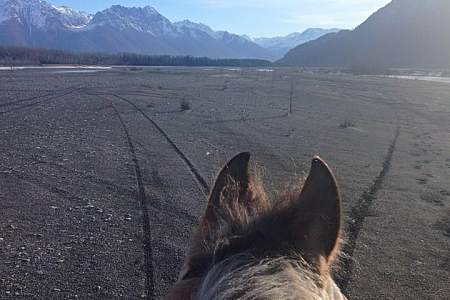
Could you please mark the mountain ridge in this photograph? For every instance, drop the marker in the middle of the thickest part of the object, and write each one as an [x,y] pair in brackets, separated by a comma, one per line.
[40,13]
[280,45]
[142,30]
[402,34]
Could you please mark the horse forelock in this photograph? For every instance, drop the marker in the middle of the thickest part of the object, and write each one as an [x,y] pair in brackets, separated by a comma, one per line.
[238,214]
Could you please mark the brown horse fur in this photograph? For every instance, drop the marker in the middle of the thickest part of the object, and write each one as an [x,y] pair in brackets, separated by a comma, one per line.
[248,247]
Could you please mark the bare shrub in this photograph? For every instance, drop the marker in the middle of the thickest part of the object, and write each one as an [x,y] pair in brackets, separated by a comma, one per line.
[347,124]
[185,105]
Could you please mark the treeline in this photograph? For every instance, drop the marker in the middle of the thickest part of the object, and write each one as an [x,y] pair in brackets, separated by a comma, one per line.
[14,56]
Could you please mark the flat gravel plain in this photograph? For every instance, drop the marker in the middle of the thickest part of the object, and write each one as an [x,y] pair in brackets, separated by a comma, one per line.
[103,176]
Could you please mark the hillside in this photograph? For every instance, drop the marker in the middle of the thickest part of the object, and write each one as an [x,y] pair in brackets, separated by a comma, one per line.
[405,33]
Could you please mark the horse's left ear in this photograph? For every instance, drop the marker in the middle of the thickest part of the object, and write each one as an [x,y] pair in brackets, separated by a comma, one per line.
[229,192]
[318,210]
[231,185]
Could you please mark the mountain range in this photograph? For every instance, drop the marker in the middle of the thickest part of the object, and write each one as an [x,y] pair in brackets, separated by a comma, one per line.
[143,30]
[279,46]
[404,34]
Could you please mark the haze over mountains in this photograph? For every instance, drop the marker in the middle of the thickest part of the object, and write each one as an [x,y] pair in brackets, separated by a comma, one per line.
[279,46]
[405,33]
[36,23]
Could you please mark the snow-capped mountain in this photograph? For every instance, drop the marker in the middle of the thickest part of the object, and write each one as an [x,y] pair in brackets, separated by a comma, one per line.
[186,24]
[72,18]
[140,19]
[42,15]
[279,46]
[233,42]
[36,23]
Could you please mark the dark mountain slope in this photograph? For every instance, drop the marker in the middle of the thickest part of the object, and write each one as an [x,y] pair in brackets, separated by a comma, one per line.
[405,33]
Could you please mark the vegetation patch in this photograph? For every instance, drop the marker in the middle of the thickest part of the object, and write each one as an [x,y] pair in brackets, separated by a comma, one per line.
[347,124]
[185,105]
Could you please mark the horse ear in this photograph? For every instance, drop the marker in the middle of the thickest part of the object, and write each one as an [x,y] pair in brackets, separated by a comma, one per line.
[231,185]
[318,212]
[228,193]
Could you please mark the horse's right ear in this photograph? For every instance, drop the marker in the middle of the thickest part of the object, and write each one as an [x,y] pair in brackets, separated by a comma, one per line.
[316,219]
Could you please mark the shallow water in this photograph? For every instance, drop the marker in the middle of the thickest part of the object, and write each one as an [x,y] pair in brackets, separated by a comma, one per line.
[56,67]
[422,78]
[76,71]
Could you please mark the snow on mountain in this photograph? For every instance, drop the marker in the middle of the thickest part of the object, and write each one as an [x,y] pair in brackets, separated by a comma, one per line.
[186,24]
[231,39]
[40,14]
[279,46]
[140,19]
[73,18]
[36,23]
[33,12]
[247,37]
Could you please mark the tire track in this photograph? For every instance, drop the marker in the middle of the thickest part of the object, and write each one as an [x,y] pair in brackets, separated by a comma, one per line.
[194,171]
[35,97]
[150,287]
[90,178]
[34,180]
[248,119]
[47,97]
[358,214]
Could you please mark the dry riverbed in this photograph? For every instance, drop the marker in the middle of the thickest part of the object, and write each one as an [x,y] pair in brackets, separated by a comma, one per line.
[103,175]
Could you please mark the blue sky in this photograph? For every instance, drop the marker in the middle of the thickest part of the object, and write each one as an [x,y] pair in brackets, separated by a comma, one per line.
[252,17]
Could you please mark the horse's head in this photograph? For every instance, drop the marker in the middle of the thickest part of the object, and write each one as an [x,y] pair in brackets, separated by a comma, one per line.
[249,247]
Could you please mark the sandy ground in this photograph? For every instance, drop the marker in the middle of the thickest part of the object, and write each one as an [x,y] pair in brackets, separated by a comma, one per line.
[102,177]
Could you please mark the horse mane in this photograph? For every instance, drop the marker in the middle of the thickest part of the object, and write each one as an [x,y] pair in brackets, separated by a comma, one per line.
[246,277]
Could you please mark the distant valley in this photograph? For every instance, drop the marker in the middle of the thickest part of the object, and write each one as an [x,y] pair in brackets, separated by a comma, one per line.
[279,46]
